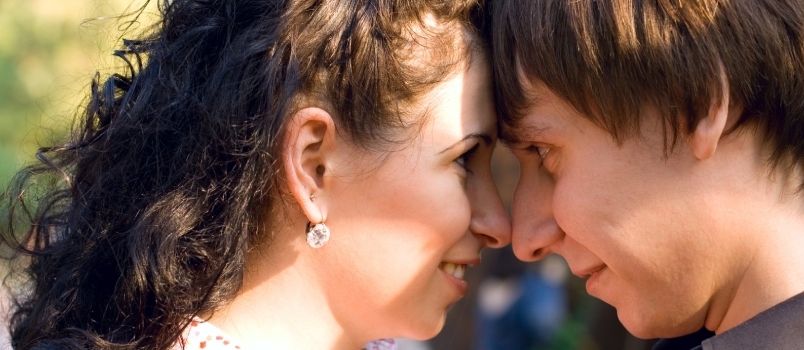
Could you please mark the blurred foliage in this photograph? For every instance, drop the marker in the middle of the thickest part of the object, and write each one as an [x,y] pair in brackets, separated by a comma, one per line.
[49,51]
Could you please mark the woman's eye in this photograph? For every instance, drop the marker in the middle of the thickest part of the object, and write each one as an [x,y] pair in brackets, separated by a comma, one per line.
[464,159]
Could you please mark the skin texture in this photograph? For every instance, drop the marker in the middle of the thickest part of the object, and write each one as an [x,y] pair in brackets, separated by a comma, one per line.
[394,218]
[702,235]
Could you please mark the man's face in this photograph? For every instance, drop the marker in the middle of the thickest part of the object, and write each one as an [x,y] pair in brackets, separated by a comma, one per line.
[647,227]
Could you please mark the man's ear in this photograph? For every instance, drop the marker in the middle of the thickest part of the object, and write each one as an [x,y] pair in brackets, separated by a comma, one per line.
[309,140]
[710,128]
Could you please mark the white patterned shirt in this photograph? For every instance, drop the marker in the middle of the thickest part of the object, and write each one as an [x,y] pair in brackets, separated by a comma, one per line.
[203,335]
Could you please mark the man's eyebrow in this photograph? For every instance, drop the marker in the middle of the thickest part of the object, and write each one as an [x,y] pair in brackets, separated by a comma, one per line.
[518,134]
[483,137]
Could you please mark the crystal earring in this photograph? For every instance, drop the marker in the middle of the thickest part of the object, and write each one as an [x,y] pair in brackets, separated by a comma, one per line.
[317,235]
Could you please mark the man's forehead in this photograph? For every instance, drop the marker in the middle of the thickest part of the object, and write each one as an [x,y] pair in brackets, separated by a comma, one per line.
[545,112]
[521,132]
[517,128]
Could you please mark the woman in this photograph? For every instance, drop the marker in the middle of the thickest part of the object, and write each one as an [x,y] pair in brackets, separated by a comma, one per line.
[298,173]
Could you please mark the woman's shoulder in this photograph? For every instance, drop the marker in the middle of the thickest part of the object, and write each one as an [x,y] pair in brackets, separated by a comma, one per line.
[382,344]
[204,335]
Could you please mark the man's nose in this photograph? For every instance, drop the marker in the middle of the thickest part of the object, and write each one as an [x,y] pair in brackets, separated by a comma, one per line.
[535,230]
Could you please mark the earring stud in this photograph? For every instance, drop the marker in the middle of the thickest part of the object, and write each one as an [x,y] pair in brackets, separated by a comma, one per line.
[312,198]
[317,235]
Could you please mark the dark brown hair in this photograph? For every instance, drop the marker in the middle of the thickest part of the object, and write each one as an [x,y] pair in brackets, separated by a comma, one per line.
[143,218]
[612,59]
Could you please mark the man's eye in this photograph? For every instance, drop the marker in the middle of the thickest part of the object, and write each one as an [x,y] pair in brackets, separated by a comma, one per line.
[541,151]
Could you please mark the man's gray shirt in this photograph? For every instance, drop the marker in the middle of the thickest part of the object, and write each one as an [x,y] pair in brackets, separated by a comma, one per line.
[779,328]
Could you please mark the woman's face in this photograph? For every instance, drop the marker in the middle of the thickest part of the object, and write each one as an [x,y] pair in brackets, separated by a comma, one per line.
[405,227]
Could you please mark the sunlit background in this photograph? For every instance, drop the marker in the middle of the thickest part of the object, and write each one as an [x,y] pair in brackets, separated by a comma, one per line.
[49,51]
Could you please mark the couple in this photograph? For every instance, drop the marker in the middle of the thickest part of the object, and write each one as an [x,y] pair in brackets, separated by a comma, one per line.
[308,174]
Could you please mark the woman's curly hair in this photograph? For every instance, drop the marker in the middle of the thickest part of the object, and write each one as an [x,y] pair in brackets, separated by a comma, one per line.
[145,214]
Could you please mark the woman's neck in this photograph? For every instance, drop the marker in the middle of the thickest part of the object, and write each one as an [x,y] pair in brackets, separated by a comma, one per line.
[282,306]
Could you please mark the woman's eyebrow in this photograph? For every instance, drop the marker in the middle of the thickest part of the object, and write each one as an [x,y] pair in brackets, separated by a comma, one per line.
[483,137]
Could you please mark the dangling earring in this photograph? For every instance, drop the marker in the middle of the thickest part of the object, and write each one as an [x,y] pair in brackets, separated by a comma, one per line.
[317,235]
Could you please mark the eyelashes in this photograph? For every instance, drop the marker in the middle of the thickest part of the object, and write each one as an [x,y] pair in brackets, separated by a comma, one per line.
[540,151]
[466,157]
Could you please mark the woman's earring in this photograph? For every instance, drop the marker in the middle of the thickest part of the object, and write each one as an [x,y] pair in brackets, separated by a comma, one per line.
[317,235]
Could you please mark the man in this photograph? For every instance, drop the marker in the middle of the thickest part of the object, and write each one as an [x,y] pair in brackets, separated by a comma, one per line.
[662,148]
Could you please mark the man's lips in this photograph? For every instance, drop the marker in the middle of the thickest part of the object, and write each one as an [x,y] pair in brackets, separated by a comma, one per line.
[589,271]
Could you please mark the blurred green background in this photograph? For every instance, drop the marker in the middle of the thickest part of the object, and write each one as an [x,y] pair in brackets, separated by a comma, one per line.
[49,51]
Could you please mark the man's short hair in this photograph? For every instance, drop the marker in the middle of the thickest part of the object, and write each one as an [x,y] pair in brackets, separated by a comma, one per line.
[612,59]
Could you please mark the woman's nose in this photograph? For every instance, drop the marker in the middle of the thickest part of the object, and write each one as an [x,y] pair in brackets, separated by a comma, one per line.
[534,228]
[490,222]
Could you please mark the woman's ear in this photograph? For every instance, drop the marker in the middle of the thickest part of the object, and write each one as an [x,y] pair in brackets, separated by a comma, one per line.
[711,127]
[310,138]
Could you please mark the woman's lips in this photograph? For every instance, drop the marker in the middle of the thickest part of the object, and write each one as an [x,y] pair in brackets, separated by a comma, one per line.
[454,271]
[460,285]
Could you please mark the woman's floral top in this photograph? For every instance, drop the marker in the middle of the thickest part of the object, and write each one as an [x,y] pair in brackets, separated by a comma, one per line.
[203,335]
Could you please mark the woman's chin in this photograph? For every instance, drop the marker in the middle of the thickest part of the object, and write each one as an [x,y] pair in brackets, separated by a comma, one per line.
[426,329]
[422,323]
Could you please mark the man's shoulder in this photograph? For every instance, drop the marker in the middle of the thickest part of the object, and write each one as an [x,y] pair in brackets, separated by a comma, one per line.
[688,342]
[779,328]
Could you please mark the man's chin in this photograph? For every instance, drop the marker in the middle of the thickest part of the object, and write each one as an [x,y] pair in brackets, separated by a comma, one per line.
[645,325]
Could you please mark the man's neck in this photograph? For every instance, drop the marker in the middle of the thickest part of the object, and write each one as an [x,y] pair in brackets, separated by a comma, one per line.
[773,272]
